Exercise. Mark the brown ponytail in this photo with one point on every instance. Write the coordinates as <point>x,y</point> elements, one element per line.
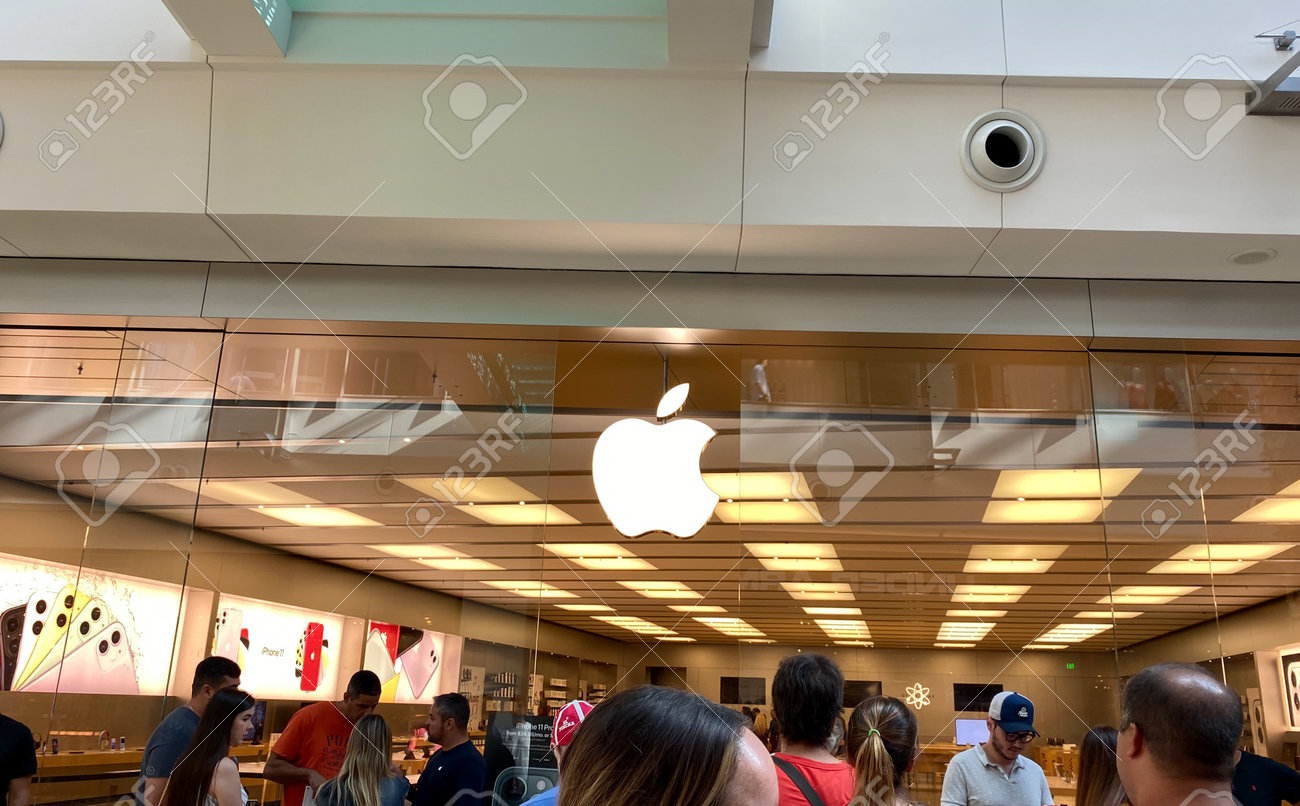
<point>881,744</point>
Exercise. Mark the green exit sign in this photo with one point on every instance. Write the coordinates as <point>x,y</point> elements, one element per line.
<point>1069,665</point>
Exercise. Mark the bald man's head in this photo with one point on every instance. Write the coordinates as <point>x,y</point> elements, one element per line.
<point>1190,721</point>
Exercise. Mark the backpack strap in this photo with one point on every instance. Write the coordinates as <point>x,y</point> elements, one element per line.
<point>792,772</point>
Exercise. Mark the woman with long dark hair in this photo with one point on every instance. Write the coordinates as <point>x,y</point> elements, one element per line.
<point>882,747</point>
<point>206,775</point>
<point>367,777</point>
<point>1099,783</point>
<point>652,746</point>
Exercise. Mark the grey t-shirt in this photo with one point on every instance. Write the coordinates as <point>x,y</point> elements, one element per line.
<point>973,780</point>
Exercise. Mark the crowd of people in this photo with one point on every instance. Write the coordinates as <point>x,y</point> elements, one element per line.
<point>655,746</point>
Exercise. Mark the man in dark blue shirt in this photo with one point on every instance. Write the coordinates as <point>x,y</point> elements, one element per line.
<point>1260,781</point>
<point>456,775</point>
<point>17,761</point>
<point>167,744</point>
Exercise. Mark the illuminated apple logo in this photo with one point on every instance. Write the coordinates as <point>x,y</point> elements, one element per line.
<point>648,476</point>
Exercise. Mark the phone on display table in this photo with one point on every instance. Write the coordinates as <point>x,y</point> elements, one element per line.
<point>50,632</point>
<point>103,664</point>
<point>311,649</point>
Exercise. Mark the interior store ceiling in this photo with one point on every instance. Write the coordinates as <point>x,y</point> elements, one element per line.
<point>329,453</point>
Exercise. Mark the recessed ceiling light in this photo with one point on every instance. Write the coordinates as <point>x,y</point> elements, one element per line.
<point>833,611</point>
<point>989,593</point>
<point>655,589</point>
<point>758,486</point>
<point>321,516</point>
<point>513,515</point>
<point>1044,511</point>
<point>439,557</point>
<point>1252,257</point>
<point>1147,594</point>
<point>848,629</point>
<point>1107,482</point>
<point>1072,633</point>
<point>854,643</point>
<point>698,608</point>
<point>819,591</point>
<point>734,627</point>
<point>796,556</point>
<point>1272,510</point>
<point>991,566</point>
<point>963,630</point>
<point>244,493</point>
<point>946,645</point>
<point>599,556</point>
<point>586,608</point>
<point>1108,614</point>
<point>958,612</point>
<point>749,512</point>
<point>636,625</point>
<point>1047,646</point>
<point>487,490</point>
<point>531,588</point>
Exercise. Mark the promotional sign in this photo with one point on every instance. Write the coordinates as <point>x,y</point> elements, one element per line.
<point>286,653</point>
<point>517,743</point>
<point>1289,660</point>
<point>82,631</point>
<point>413,665</point>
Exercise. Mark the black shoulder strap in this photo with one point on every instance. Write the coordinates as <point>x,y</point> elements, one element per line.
<point>792,772</point>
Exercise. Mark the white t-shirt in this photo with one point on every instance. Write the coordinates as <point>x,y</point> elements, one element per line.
<point>973,780</point>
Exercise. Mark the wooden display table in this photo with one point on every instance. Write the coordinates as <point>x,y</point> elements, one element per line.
<point>92,777</point>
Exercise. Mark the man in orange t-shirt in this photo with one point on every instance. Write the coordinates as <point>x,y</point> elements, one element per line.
<point>312,747</point>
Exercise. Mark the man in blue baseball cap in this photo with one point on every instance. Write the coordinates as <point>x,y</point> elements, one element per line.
<point>996,773</point>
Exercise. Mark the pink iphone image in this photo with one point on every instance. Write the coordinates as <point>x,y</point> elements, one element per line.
<point>103,664</point>
<point>88,622</point>
<point>226,641</point>
<point>420,663</point>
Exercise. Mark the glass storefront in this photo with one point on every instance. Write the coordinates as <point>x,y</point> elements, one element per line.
<point>940,521</point>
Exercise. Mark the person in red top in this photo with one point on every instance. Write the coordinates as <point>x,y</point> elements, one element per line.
<point>807,695</point>
<point>312,748</point>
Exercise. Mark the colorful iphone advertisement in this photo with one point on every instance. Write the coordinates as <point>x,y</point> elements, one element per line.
<point>413,665</point>
<point>286,653</point>
<point>1289,660</point>
<point>82,631</point>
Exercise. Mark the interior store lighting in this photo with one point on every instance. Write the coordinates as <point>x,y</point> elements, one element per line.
<point>698,608</point>
<point>487,490</point>
<point>599,556</point>
<point>958,612</point>
<point>833,611</point>
<point>963,630</point>
<point>520,514</point>
<point>847,629</point>
<point>1044,511</point>
<point>946,645</point>
<point>989,594</point>
<point>1072,633</point>
<point>636,625</point>
<point>661,590</point>
<point>1047,646</point>
<point>586,608</point>
<point>749,512</point>
<point>530,588</point>
<point>796,556</point>
<point>439,557</point>
<point>1147,594</point>
<point>758,486</point>
<point>854,643</point>
<point>734,627</point>
<point>1105,614</point>
<point>307,515</point>
<point>1107,482</point>
<point>1219,558</point>
<point>819,591</point>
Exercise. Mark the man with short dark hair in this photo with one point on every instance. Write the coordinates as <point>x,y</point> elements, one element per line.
<point>17,761</point>
<point>807,696</point>
<point>456,775</point>
<point>168,742</point>
<point>312,748</point>
<point>1178,737</point>
<point>996,773</point>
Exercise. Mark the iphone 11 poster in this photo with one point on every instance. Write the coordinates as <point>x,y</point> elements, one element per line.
<point>413,665</point>
<point>82,631</point>
<point>285,652</point>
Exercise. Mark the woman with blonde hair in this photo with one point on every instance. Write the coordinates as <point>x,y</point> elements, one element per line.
<point>367,777</point>
<point>655,746</point>
<point>1099,783</point>
<point>881,745</point>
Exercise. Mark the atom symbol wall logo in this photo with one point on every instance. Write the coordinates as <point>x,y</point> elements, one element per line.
<point>918,696</point>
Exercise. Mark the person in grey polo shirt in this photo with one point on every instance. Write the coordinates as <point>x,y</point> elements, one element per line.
<point>995,773</point>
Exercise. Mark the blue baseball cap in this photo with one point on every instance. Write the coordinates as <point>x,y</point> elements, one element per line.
<point>1012,711</point>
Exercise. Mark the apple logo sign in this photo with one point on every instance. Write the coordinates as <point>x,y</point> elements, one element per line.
<point>648,476</point>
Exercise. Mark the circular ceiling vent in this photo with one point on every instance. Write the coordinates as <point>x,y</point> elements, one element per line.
<point>1002,150</point>
<point>1251,257</point>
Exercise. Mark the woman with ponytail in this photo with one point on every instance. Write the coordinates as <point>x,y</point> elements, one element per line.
<point>881,744</point>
